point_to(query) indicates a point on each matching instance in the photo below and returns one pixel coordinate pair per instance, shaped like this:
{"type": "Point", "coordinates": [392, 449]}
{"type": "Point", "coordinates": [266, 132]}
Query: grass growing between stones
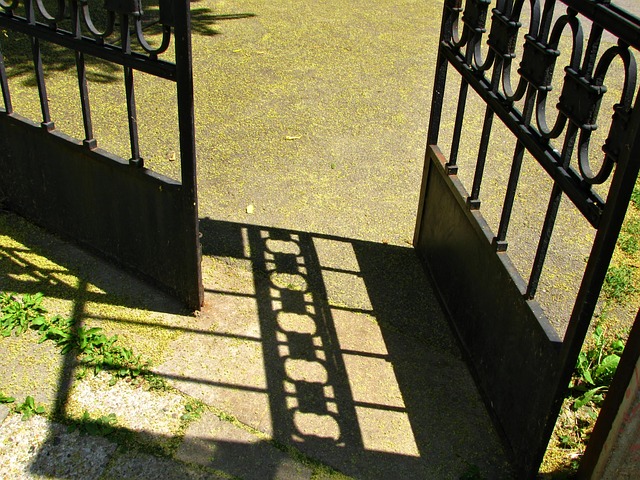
{"type": "Point", "coordinates": [109, 363]}
{"type": "Point", "coordinates": [94, 350]}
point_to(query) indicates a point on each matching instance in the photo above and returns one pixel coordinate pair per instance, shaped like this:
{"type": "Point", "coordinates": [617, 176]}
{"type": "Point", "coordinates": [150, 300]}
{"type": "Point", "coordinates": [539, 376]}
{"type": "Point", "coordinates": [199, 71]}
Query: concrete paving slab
{"type": "Point", "coordinates": [31, 368]}
{"type": "Point", "coordinates": [39, 449]}
{"type": "Point", "coordinates": [4, 412]}
{"type": "Point", "coordinates": [133, 465]}
{"type": "Point", "coordinates": [223, 366]}
{"type": "Point", "coordinates": [221, 445]}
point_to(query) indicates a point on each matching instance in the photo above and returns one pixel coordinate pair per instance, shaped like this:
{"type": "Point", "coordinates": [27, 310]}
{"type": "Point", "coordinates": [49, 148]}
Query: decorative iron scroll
{"type": "Point", "coordinates": [583, 87]}
{"type": "Point", "coordinates": [127, 15]}
{"type": "Point", "coordinates": [582, 90]}
{"type": "Point", "coordinates": [72, 24]}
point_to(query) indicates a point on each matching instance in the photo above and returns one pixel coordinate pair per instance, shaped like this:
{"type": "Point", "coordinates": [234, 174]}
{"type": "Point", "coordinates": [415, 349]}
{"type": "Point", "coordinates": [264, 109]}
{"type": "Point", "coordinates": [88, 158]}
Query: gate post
{"type": "Point", "coordinates": [184, 87]}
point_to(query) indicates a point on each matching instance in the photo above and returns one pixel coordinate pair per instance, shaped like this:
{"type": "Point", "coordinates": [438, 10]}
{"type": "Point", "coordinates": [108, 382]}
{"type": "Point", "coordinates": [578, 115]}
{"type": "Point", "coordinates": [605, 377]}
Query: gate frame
{"type": "Point", "coordinates": [117, 208]}
{"type": "Point", "coordinates": [458, 248]}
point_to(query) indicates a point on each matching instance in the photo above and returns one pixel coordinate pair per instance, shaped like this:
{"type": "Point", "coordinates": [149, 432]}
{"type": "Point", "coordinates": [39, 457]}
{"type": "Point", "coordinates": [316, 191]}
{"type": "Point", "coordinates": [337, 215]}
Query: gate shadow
{"type": "Point", "coordinates": [361, 368]}
{"type": "Point", "coordinates": [334, 346]}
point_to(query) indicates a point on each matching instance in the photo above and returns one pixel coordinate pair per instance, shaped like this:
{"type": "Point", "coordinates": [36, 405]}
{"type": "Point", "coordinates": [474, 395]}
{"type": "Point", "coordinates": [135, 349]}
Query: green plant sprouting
{"type": "Point", "coordinates": [94, 349]}
{"type": "Point", "coordinates": [18, 315]}
{"type": "Point", "coordinates": [192, 410]}
{"type": "Point", "coordinates": [103, 426]}
{"type": "Point", "coordinates": [6, 399]}
{"type": "Point", "coordinates": [29, 408]}
{"type": "Point", "coordinates": [595, 369]}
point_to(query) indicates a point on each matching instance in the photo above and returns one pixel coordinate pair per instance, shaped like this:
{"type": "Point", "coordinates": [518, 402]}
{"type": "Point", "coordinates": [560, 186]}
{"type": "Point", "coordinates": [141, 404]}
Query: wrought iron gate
{"type": "Point", "coordinates": [117, 207]}
{"type": "Point", "coordinates": [522, 364]}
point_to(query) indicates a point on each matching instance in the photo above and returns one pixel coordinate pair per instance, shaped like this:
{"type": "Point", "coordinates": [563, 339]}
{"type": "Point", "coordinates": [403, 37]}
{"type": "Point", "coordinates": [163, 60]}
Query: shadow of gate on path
{"type": "Point", "coordinates": [336, 347]}
{"type": "Point", "coordinates": [360, 367]}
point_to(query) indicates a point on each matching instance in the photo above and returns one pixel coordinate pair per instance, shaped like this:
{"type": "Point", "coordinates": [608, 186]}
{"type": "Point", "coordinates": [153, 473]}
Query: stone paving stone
{"type": "Point", "coordinates": [224, 366]}
{"type": "Point", "coordinates": [142, 466]}
{"type": "Point", "coordinates": [223, 446]}
{"type": "Point", "coordinates": [4, 411]}
{"type": "Point", "coordinates": [31, 368]}
{"type": "Point", "coordinates": [39, 449]}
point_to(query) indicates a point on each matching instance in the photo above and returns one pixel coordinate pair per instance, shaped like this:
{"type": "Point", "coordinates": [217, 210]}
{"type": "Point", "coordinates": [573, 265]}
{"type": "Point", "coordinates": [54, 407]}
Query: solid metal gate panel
{"type": "Point", "coordinates": [117, 207]}
{"type": "Point", "coordinates": [522, 365]}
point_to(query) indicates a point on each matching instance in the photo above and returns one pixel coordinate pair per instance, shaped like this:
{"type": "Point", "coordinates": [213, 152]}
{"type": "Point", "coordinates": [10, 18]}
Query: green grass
{"type": "Point", "coordinates": [619, 284]}
{"type": "Point", "coordinates": [601, 353]}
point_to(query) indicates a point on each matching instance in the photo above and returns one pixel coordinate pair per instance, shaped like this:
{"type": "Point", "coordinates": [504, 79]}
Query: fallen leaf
{"type": "Point", "coordinates": [250, 209]}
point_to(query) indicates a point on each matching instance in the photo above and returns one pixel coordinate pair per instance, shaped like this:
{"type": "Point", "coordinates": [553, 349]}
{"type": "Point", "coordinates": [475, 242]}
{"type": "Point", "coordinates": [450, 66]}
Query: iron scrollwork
{"type": "Point", "coordinates": [582, 88]}
{"type": "Point", "coordinates": [79, 12]}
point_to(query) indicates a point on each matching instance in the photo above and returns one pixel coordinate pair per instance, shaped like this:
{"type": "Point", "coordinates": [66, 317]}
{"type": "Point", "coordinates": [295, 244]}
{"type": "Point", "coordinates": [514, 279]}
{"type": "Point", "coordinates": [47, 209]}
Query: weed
{"type": "Point", "coordinates": [6, 399]}
{"type": "Point", "coordinates": [619, 283]}
{"type": "Point", "coordinates": [102, 426]}
{"type": "Point", "coordinates": [192, 410]}
{"type": "Point", "coordinates": [154, 382]}
{"type": "Point", "coordinates": [594, 370]}
{"type": "Point", "coordinates": [29, 408]}
{"type": "Point", "coordinates": [226, 417]}
{"type": "Point", "coordinates": [18, 315]}
{"type": "Point", "coordinates": [94, 349]}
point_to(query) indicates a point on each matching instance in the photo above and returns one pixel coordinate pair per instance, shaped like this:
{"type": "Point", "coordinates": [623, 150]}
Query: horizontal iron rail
{"type": "Point", "coordinates": [612, 18]}
{"type": "Point", "coordinates": [90, 46]}
{"type": "Point", "coordinates": [588, 202]}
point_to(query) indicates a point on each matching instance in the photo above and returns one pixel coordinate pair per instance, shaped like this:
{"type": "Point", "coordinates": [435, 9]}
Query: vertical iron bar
{"type": "Point", "coordinates": [439, 84]}
{"type": "Point", "coordinates": [184, 87]}
{"type": "Point", "coordinates": [132, 117]}
{"type": "Point", "coordinates": [135, 160]}
{"type": "Point", "coordinates": [47, 124]}
{"type": "Point", "coordinates": [89, 141]}
{"type": "Point", "coordinates": [440, 80]}
{"type": "Point", "coordinates": [6, 95]}
{"type": "Point", "coordinates": [550, 218]}
{"type": "Point", "coordinates": [451, 166]}
{"type": "Point", "coordinates": [473, 201]}
{"type": "Point", "coordinates": [500, 240]}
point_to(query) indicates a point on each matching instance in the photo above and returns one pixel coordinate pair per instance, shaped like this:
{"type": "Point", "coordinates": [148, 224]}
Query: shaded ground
{"type": "Point", "coordinates": [352, 368]}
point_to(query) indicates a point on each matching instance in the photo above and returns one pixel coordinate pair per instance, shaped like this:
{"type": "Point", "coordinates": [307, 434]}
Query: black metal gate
{"type": "Point", "coordinates": [522, 364]}
{"type": "Point", "coordinates": [117, 207]}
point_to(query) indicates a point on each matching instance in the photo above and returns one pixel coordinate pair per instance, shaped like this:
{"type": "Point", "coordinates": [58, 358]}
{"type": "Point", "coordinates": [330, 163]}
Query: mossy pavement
{"type": "Point", "coordinates": [310, 124]}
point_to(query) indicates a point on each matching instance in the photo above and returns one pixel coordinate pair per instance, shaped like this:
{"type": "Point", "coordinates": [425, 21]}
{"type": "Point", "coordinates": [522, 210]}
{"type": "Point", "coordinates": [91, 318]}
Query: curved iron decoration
{"type": "Point", "coordinates": [572, 70]}
{"type": "Point", "coordinates": [620, 119]}
{"type": "Point", "coordinates": [582, 90]}
{"type": "Point", "coordinates": [129, 12]}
